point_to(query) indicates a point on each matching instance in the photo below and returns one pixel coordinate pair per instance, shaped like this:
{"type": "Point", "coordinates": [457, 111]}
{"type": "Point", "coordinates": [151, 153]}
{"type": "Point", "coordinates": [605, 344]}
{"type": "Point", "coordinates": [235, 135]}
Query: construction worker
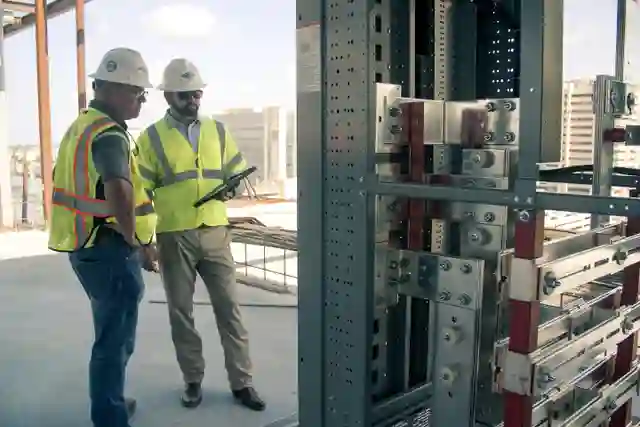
{"type": "Point", "coordinates": [183, 157]}
{"type": "Point", "coordinates": [103, 217]}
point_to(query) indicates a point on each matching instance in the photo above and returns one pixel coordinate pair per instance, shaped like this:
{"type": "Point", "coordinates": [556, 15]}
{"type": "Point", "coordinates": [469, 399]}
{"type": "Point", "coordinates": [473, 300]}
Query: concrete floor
{"type": "Point", "coordinates": [46, 333]}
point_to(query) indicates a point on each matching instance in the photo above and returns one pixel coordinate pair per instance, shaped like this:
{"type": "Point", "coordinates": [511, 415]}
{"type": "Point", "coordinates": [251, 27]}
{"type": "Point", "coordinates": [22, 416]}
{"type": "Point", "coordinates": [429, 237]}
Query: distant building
{"type": "Point", "coordinates": [578, 135]}
{"type": "Point", "coordinates": [266, 137]}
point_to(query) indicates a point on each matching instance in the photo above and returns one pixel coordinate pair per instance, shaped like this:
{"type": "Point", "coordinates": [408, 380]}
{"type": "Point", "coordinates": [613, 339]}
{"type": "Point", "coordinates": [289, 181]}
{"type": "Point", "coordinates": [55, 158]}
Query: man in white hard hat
{"type": "Point", "coordinates": [103, 218]}
{"type": "Point", "coordinates": [183, 157]}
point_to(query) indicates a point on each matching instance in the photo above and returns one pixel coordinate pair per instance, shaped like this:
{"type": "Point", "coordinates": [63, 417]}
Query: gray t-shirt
{"type": "Point", "coordinates": [111, 155]}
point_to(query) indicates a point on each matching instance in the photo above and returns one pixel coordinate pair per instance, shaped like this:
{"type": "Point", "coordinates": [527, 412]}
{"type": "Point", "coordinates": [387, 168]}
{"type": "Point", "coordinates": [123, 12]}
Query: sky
{"type": "Point", "coordinates": [245, 50]}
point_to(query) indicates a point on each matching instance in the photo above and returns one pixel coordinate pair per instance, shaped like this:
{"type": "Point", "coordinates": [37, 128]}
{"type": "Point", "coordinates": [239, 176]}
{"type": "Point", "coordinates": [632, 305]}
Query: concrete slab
{"type": "Point", "coordinates": [46, 333]}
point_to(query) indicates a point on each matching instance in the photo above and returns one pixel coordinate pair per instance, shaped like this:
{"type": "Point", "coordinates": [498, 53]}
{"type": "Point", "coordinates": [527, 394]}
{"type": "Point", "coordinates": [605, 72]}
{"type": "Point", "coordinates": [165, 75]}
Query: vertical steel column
{"type": "Point", "coordinates": [621, 39]}
{"type": "Point", "coordinates": [603, 151]}
{"type": "Point", "coordinates": [44, 106]}
{"type": "Point", "coordinates": [6, 199]}
{"type": "Point", "coordinates": [311, 116]}
{"type": "Point", "coordinates": [540, 89]}
{"type": "Point", "coordinates": [81, 71]}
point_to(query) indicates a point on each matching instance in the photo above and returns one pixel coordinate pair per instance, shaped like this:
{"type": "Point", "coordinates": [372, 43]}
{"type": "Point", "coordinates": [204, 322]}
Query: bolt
{"type": "Point", "coordinates": [475, 237]}
{"type": "Point", "coordinates": [445, 265]}
{"type": "Point", "coordinates": [491, 106]}
{"type": "Point", "coordinates": [466, 268]}
{"type": "Point", "coordinates": [393, 265]}
{"type": "Point", "coordinates": [524, 216]}
{"type": "Point", "coordinates": [444, 296]}
{"type": "Point", "coordinates": [627, 325]}
{"type": "Point", "coordinates": [464, 299]}
{"type": "Point", "coordinates": [610, 406]}
{"type": "Point", "coordinates": [488, 137]}
{"type": "Point", "coordinates": [489, 217]}
{"type": "Point", "coordinates": [395, 129]}
{"type": "Point", "coordinates": [620, 257]}
{"type": "Point", "coordinates": [551, 282]}
{"type": "Point", "coordinates": [476, 158]}
{"type": "Point", "coordinates": [395, 112]}
{"type": "Point", "coordinates": [509, 136]}
{"type": "Point", "coordinates": [469, 215]}
{"type": "Point", "coordinates": [509, 105]}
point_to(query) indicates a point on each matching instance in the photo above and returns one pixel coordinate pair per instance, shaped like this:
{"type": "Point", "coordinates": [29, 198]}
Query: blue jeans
{"type": "Point", "coordinates": [111, 275]}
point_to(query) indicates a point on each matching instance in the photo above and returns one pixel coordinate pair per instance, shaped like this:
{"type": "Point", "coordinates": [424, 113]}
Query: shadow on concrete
{"type": "Point", "coordinates": [46, 334]}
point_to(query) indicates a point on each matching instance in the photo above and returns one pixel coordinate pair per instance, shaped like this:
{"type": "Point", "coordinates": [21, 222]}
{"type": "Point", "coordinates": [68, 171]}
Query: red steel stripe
{"type": "Point", "coordinates": [627, 349]}
{"type": "Point", "coordinates": [525, 316]}
{"type": "Point", "coordinates": [417, 207]}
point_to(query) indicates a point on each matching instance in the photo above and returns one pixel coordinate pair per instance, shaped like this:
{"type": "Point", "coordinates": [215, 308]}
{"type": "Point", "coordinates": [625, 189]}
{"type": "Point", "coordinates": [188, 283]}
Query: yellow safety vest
{"type": "Point", "coordinates": [75, 206]}
{"type": "Point", "coordinates": [179, 176]}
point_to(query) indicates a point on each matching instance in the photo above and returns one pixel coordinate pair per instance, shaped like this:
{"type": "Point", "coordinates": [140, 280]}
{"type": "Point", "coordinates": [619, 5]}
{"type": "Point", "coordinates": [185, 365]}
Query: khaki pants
{"type": "Point", "coordinates": [206, 251]}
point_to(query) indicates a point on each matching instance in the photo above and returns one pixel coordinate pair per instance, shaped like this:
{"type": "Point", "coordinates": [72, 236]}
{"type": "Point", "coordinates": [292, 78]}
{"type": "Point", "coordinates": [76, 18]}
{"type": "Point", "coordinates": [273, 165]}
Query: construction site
{"type": "Point", "coordinates": [435, 269]}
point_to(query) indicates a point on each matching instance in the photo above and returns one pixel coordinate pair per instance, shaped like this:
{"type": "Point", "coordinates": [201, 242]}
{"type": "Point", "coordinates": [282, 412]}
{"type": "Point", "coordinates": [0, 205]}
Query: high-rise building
{"type": "Point", "coordinates": [266, 137]}
{"type": "Point", "coordinates": [578, 134]}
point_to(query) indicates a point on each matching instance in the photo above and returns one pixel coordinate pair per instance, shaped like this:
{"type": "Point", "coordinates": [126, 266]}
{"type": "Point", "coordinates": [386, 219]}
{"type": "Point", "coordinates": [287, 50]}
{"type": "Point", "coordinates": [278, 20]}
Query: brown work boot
{"type": "Point", "coordinates": [131, 406]}
{"type": "Point", "coordinates": [192, 395]}
{"type": "Point", "coordinates": [249, 398]}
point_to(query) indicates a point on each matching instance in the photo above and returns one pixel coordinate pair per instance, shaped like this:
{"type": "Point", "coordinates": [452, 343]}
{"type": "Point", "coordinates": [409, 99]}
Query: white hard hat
{"type": "Point", "coordinates": [181, 75]}
{"type": "Point", "coordinates": [123, 65]}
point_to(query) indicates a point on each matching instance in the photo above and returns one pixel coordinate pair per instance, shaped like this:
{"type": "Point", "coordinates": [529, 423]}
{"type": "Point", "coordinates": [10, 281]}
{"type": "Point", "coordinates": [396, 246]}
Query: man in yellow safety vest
{"type": "Point", "coordinates": [183, 157]}
{"type": "Point", "coordinates": [103, 217]}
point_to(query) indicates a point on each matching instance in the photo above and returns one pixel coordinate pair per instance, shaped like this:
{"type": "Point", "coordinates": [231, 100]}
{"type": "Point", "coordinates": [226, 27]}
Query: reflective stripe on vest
{"type": "Point", "coordinates": [94, 207]}
{"type": "Point", "coordinates": [169, 177]}
{"type": "Point", "coordinates": [80, 202]}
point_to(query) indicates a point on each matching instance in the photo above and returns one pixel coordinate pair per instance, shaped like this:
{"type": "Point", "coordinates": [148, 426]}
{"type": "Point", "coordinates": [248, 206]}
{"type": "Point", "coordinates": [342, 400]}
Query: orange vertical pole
{"type": "Point", "coordinates": [44, 106]}
{"type": "Point", "coordinates": [80, 55]}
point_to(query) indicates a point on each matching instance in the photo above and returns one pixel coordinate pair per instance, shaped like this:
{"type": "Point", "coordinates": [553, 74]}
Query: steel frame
{"type": "Point", "coordinates": [363, 361]}
{"type": "Point", "coordinates": [36, 13]}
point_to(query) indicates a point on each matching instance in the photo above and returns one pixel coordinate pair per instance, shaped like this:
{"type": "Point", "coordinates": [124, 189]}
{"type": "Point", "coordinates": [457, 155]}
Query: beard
{"type": "Point", "coordinates": [188, 109]}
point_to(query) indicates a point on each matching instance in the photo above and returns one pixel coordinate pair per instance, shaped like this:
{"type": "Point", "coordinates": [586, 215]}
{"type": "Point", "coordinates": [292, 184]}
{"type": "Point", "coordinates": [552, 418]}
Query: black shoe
{"type": "Point", "coordinates": [192, 396]}
{"type": "Point", "coordinates": [248, 397]}
{"type": "Point", "coordinates": [131, 406]}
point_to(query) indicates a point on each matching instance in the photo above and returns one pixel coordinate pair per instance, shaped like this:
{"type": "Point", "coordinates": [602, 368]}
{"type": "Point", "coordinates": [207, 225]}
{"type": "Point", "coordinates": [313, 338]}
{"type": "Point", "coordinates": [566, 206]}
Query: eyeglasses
{"type": "Point", "coordinates": [189, 95]}
{"type": "Point", "coordinates": [135, 91]}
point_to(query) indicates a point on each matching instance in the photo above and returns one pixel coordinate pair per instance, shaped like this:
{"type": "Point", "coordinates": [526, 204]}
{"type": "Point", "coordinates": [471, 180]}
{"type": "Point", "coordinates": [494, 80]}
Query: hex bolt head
{"type": "Point", "coordinates": [445, 265]}
{"type": "Point", "coordinates": [475, 236]}
{"type": "Point", "coordinates": [444, 296]}
{"type": "Point", "coordinates": [524, 216]}
{"type": "Point", "coordinates": [466, 268]}
{"type": "Point", "coordinates": [395, 129]}
{"type": "Point", "coordinates": [464, 299]}
{"type": "Point", "coordinates": [395, 112]}
{"type": "Point", "coordinates": [509, 136]}
{"type": "Point", "coordinates": [489, 217]}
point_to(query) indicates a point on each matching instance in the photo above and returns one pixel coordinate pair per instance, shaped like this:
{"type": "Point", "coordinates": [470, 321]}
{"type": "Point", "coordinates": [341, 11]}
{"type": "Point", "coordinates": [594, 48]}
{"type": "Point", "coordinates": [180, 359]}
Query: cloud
{"type": "Point", "coordinates": [181, 20]}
